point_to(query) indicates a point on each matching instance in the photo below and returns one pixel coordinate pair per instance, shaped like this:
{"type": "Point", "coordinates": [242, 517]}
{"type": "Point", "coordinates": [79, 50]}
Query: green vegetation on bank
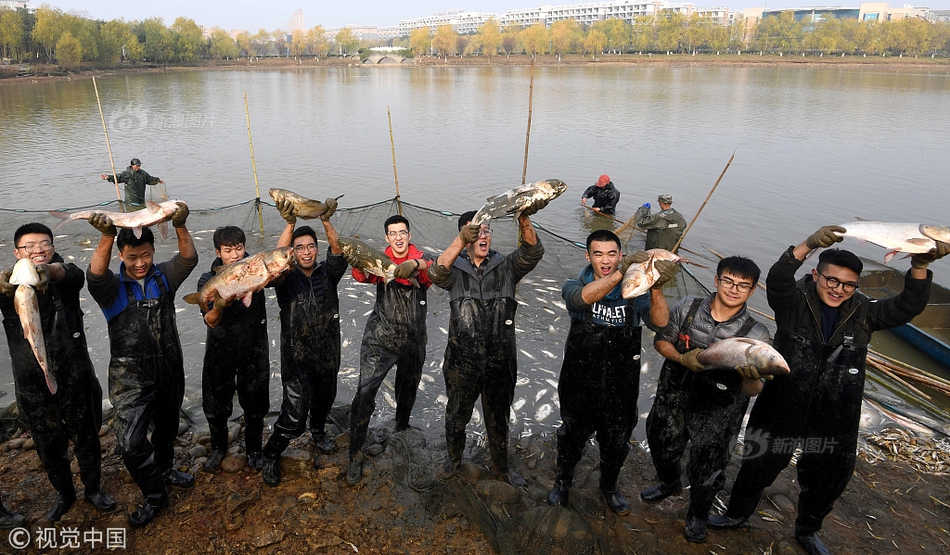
{"type": "Point", "coordinates": [49, 35]}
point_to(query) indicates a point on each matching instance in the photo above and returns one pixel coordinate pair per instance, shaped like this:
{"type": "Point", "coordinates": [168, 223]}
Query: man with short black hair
{"type": "Point", "coordinates": [395, 334]}
{"type": "Point", "coordinates": [309, 337]}
{"type": "Point", "coordinates": [605, 195]}
{"type": "Point", "coordinates": [135, 179]}
{"type": "Point", "coordinates": [146, 369]}
{"type": "Point", "coordinates": [697, 406]}
{"type": "Point", "coordinates": [75, 411]}
{"type": "Point", "coordinates": [665, 227]}
{"type": "Point", "coordinates": [236, 359]}
{"type": "Point", "coordinates": [823, 332]}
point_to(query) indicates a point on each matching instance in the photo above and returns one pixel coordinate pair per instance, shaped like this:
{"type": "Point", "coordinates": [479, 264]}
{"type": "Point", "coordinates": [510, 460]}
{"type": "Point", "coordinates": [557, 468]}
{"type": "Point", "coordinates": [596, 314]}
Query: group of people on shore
{"type": "Point", "coordinates": [824, 327]}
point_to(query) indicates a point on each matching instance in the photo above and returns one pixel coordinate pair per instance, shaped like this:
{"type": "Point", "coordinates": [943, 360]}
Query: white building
{"type": "Point", "coordinates": [464, 22]}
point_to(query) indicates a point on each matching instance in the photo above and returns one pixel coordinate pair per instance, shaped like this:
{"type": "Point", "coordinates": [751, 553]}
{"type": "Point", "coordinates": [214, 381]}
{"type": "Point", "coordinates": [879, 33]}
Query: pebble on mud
{"type": "Point", "coordinates": [28, 445]}
{"type": "Point", "coordinates": [233, 463]}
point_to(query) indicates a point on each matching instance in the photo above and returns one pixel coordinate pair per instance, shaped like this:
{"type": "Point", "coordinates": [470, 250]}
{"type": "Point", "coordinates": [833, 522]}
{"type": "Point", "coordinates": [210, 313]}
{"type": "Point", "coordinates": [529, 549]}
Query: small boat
{"type": "Point", "coordinates": [930, 330]}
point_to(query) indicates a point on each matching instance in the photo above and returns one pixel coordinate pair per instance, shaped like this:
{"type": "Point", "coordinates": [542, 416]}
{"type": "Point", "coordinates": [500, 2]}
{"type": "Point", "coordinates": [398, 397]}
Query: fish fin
{"type": "Point", "coordinates": [889, 255]}
{"type": "Point", "coordinates": [153, 206]}
{"type": "Point", "coordinates": [60, 215]}
{"type": "Point", "coordinates": [921, 242]}
{"type": "Point", "coordinates": [246, 299]}
{"type": "Point", "coordinates": [137, 231]}
{"type": "Point", "coordinates": [163, 229]}
{"type": "Point", "coordinates": [192, 298]}
{"type": "Point", "coordinates": [51, 383]}
{"type": "Point", "coordinates": [219, 301]}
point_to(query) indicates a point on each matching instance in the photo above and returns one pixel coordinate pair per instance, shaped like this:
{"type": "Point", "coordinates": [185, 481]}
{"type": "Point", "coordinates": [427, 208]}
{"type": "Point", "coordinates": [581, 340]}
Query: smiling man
{"type": "Point", "coordinates": [146, 370]}
{"type": "Point", "coordinates": [698, 406]}
{"type": "Point", "coordinates": [74, 413]}
{"type": "Point", "coordinates": [824, 326]}
{"type": "Point", "coordinates": [309, 337]}
{"type": "Point", "coordinates": [600, 376]}
{"type": "Point", "coordinates": [395, 335]}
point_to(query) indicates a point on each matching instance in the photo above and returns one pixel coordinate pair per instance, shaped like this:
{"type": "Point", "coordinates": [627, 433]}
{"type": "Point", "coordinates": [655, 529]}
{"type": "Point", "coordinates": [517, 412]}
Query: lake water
{"type": "Point", "coordinates": [812, 146]}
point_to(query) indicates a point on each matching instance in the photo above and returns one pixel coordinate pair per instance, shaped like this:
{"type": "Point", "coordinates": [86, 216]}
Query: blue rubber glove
{"type": "Point", "coordinates": [646, 205]}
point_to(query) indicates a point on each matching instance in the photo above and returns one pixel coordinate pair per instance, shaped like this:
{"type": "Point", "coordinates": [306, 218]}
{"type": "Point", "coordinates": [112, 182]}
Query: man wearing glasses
{"type": "Point", "coordinates": [699, 406]}
{"type": "Point", "coordinates": [395, 334]}
{"type": "Point", "coordinates": [74, 413]}
{"type": "Point", "coordinates": [823, 332]}
{"type": "Point", "coordinates": [480, 357]}
{"type": "Point", "coordinates": [309, 337]}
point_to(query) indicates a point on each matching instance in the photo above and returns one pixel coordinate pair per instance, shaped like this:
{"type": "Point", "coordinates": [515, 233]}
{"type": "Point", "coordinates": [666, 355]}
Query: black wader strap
{"type": "Point", "coordinates": [683, 339]}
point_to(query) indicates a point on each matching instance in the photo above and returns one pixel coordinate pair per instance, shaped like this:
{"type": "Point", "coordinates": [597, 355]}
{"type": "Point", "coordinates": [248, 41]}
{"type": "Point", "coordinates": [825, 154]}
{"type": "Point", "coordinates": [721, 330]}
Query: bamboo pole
{"type": "Point", "coordinates": [115, 177]}
{"type": "Point", "coordinates": [392, 145]}
{"type": "Point", "coordinates": [527, 136]}
{"type": "Point", "coordinates": [882, 369]}
{"type": "Point", "coordinates": [713, 190]}
{"type": "Point", "coordinates": [257, 187]}
{"type": "Point", "coordinates": [910, 367]}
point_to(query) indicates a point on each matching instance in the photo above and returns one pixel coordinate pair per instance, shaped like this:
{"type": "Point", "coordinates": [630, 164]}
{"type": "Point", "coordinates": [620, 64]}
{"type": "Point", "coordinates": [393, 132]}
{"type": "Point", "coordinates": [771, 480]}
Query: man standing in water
{"type": "Point", "coordinates": [309, 337]}
{"type": "Point", "coordinates": [135, 179]}
{"type": "Point", "coordinates": [395, 334]}
{"type": "Point", "coordinates": [75, 411]}
{"type": "Point", "coordinates": [699, 406]}
{"type": "Point", "coordinates": [605, 195]}
{"type": "Point", "coordinates": [236, 359]}
{"type": "Point", "coordinates": [600, 376]}
{"type": "Point", "coordinates": [823, 333]}
{"type": "Point", "coordinates": [146, 371]}
{"type": "Point", "coordinates": [665, 227]}
{"type": "Point", "coordinates": [480, 358]}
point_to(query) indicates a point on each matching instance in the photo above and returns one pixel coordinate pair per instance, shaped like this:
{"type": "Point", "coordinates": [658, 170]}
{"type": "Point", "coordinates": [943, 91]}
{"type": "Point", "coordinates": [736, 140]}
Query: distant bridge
{"type": "Point", "coordinates": [378, 59]}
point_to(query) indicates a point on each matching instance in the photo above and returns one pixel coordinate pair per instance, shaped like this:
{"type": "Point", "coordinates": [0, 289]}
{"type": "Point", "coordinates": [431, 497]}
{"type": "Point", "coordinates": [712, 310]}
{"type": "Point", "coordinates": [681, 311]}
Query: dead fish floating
{"type": "Point", "coordinates": [737, 352]}
{"type": "Point", "coordinates": [304, 208]}
{"type": "Point", "coordinates": [516, 200]}
{"type": "Point", "coordinates": [371, 260]}
{"type": "Point", "coordinates": [28, 309]}
{"type": "Point", "coordinates": [153, 214]}
{"type": "Point", "coordinates": [641, 277]}
{"type": "Point", "coordinates": [243, 278]}
{"type": "Point", "coordinates": [896, 237]}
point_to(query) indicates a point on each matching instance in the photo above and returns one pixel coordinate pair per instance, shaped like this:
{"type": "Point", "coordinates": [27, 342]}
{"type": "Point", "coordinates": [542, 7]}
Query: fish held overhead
{"type": "Point", "coordinates": [28, 309]}
{"type": "Point", "coordinates": [515, 201]}
{"type": "Point", "coordinates": [243, 278]}
{"type": "Point", "coordinates": [360, 255]}
{"type": "Point", "coordinates": [639, 278]}
{"type": "Point", "coordinates": [153, 213]}
{"type": "Point", "coordinates": [304, 208]}
{"type": "Point", "coordinates": [910, 238]}
{"type": "Point", "coordinates": [737, 352]}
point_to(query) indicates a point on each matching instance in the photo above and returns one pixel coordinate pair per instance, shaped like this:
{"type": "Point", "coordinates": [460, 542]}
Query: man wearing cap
{"type": "Point", "coordinates": [135, 179]}
{"type": "Point", "coordinates": [665, 227]}
{"type": "Point", "coordinates": [605, 195]}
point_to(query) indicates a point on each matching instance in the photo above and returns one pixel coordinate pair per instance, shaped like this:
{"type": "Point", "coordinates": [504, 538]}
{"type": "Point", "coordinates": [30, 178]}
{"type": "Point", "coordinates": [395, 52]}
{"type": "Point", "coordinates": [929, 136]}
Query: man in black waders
{"type": "Point", "coordinates": [480, 357]}
{"type": "Point", "coordinates": [600, 376]}
{"type": "Point", "coordinates": [395, 334]}
{"type": "Point", "coordinates": [236, 359]}
{"type": "Point", "coordinates": [309, 338]}
{"type": "Point", "coordinates": [74, 412]}
{"type": "Point", "coordinates": [135, 179]}
{"type": "Point", "coordinates": [704, 408]}
{"type": "Point", "coordinates": [823, 332]}
{"type": "Point", "coordinates": [146, 370]}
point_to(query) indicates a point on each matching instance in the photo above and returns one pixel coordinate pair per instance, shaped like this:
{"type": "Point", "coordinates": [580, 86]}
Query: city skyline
{"type": "Point", "coordinates": [276, 14]}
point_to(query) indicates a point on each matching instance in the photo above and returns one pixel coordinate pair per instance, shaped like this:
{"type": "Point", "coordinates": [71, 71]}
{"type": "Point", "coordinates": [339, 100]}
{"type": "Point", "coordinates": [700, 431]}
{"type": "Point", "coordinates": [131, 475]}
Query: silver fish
{"type": "Point", "coordinates": [152, 214]}
{"type": "Point", "coordinates": [243, 278]}
{"type": "Point", "coordinates": [895, 237]}
{"type": "Point", "coordinates": [360, 255]}
{"type": "Point", "coordinates": [27, 307]}
{"type": "Point", "coordinates": [935, 232]}
{"type": "Point", "coordinates": [641, 277]}
{"type": "Point", "coordinates": [514, 201]}
{"type": "Point", "coordinates": [304, 207]}
{"type": "Point", "coordinates": [737, 352]}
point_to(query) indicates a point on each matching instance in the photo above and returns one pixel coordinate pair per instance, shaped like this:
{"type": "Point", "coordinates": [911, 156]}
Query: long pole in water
{"type": "Point", "coordinates": [257, 187]}
{"type": "Point", "coordinates": [527, 136]}
{"type": "Point", "coordinates": [115, 177]}
{"type": "Point", "coordinates": [713, 190]}
{"type": "Point", "coordinates": [392, 145]}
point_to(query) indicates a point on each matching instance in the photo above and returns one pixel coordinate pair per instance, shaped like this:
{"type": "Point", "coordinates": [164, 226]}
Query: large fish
{"type": "Point", "coordinates": [28, 309]}
{"type": "Point", "coordinates": [736, 352]}
{"type": "Point", "coordinates": [360, 255]}
{"type": "Point", "coordinates": [153, 213]}
{"type": "Point", "coordinates": [935, 232]}
{"type": "Point", "coordinates": [895, 237]}
{"type": "Point", "coordinates": [304, 208]}
{"type": "Point", "coordinates": [639, 278]}
{"type": "Point", "coordinates": [243, 278]}
{"type": "Point", "coordinates": [516, 200]}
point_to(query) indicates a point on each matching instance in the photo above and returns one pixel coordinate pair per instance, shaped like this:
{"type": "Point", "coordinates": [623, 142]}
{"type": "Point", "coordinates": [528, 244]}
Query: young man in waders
{"type": "Point", "coordinates": [395, 335]}
{"type": "Point", "coordinates": [699, 406]}
{"type": "Point", "coordinates": [824, 326]}
{"type": "Point", "coordinates": [236, 359]}
{"type": "Point", "coordinates": [600, 375]}
{"type": "Point", "coordinates": [146, 371]}
{"type": "Point", "coordinates": [309, 337]}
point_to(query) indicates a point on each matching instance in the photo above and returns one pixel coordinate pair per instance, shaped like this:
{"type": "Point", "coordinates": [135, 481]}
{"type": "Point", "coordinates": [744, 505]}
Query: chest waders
{"type": "Point", "coordinates": [146, 385]}
{"type": "Point", "coordinates": [598, 389]}
{"type": "Point", "coordinates": [480, 359]}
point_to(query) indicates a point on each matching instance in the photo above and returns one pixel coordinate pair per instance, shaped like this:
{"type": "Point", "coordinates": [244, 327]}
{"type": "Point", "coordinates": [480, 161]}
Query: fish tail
{"type": "Point", "coordinates": [192, 298]}
{"type": "Point", "coordinates": [50, 382]}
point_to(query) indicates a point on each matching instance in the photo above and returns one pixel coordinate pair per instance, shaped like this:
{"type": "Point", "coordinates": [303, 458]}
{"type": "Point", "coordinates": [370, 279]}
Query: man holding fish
{"type": "Point", "coordinates": [309, 331]}
{"type": "Point", "coordinates": [824, 326]}
{"type": "Point", "coordinates": [73, 412]}
{"type": "Point", "coordinates": [395, 335]}
{"type": "Point", "coordinates": [600, 376]}
{"type": "Point", "coordinates": [146, 370]}
{"type": "Point", "coordinates": [699, 403]}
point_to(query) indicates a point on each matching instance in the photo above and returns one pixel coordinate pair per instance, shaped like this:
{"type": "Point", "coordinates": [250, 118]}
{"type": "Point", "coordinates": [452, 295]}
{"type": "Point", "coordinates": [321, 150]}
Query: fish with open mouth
{"type": "Point", "coordinates": [639, 278]}
{"type": "Point", "coordinates": [516, 200]}
{"type": "Point", "coordinates": [27, 308]}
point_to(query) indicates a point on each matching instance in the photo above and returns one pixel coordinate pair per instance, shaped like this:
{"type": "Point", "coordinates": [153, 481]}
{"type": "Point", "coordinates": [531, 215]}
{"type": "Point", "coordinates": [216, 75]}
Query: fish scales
{"type": "Point", "coordinates": [153, 213]}
{"type": "Point", "coordinates": [304, 208]}
{"type": "Point", "coordinates": [27, 307]}
{"type": "Point", "coordinates": [360, 255]}
{"type": "Point", "coordinates": [736, 352]}
{"type": "Point", "coordinates": [516, 200]}
{"type": "Point", "coordinates": [244, 278]}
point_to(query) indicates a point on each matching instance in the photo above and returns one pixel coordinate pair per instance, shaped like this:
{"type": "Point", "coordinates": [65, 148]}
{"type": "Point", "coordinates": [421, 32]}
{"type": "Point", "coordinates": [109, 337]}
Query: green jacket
{"type": "Point", "coordinates": [135, 182]}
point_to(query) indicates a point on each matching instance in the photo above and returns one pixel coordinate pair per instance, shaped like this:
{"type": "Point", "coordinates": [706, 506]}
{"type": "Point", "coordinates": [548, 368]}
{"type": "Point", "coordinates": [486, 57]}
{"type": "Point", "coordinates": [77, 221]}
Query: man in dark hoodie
{"type": "Point", "coordinates": [605, 195]}
{"type": "Point", "coordinates": [135, 179]}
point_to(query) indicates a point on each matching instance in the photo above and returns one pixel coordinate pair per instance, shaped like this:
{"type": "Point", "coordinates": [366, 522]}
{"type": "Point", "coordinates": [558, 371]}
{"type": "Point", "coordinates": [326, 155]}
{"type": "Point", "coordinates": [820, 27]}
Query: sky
{"type": "Point", "coordinates": [275, 14]}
